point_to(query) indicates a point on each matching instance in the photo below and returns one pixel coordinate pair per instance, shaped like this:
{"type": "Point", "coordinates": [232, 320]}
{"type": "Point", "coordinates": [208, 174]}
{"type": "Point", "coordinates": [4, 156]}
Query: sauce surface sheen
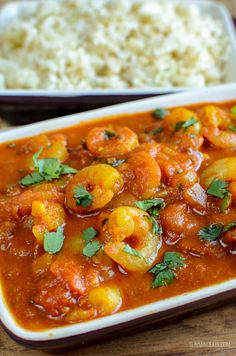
{"type": "Point", "coordinates": [75, 244]}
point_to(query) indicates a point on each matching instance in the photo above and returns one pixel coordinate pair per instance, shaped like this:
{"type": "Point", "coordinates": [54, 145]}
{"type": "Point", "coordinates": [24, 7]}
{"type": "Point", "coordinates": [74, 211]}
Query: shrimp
{"type": "Point", "coordinates": [224, 169]}
{"type": "Point", "coordinates": [171, 163]}
{"type": "Point", "coordinates": [47, 216]}
{"type": "Point", "coordinates": [220, 138]}
{"type": "Point", "coordinates": [102, 300]}
{"type": "Point", "coordinates": [134, 226]}
{"type": "Point", "coordinates": [105, 299]}
{"type": "Point", "coordinates": [52, 147]}
{"type": "Point", "coordinates": [216, 122]}
{"type": "Point", "coordinates": [151, 148]}
{"type": "Point", "coordinates": [182, 115]}
{"type": "Point", "coordinates": [13, 208]}
{"type": "Point", "coordinates": [142, 175]}
{"type": "Point", "coordinates": [104, 142]}
{"type": "Point", "coordinates": [214, 117]}
{"type": "Point", "coordinates": [101, 182]}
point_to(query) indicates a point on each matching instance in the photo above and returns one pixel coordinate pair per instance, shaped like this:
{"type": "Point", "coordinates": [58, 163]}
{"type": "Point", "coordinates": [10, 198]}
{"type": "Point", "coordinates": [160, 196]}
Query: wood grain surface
{"type": "Point", "coordinates": [209, 333]}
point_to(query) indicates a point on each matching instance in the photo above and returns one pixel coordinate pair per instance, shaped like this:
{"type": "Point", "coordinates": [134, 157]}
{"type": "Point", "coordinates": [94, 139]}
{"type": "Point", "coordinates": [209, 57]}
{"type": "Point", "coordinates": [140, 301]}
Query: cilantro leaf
{"type": "Point", "coordinates": [156, 227]}
{"type": "Point", "coordinates": [153, 206]}
{"type": "Point", "coordinates": [233, 110]}
{"type": "Point", "coordinates": [46, 169]}
{"type": "Point", "coordinates": [131, 251]}
{"type": "Point", "coordinates": [35, 157]}
{"type": "Point", "coordinates": [160, 114]}
{"type": "Point", "coordinates": [82, 197]}
{"type": "Point", "coordinates": [64, 169]}
{"type": "Point", "coordinates": [158, 268]}
{"type": "Point", "coordinates": [163, 278]}
{"type": "Point", "coordinates": [185, 124]}
{"type": "Point", "coordinates": [232, 128]}
{"type": "Point", "coordinates": [32, 178]}
{"type": "Point", "coordinates": [108, 134]}
{"type": "Point", "coordinates": [53, 241]}
{"type": "Point", "coordinates": [164, 271]}
{"type": "Point", "coordinates": [229, 227]}
{"type": "Point", "coordinates": [225, 202]}
{"type": "Point", "coordinates": [115, 162]}
{"type": "Point", "coordinates": [155, 131]}
{"type": "Point", "coordinates": [173, 260]}
{"type": "Point", "coordinates": [89, 234]}
{"type": "Point", "coordinates": [91, 248]}
{"type": "Point", "coordinates": [217, 188]}
{"type": "Point", "coordinates": [49, 168]}
{"type": "Point", "coordinates": [211, 232]}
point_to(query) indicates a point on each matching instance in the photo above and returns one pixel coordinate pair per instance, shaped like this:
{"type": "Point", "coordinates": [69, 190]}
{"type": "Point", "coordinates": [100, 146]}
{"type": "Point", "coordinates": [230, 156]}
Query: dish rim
{"type": "Point", "coordinates": [220, 93]}
{"type": "Point", "coordinates": [226, 19]}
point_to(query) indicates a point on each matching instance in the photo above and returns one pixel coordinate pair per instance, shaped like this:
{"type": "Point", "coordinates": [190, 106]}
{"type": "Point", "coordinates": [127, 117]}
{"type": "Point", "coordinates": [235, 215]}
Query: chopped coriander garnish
{"type": "Point", "coordinates": [185, 124]}
{"type": "Point", "coordinates": [233, 110]}
{"type": "Point", "coordinates": [160, 114]}
{"type": "Point", "coordinates": [82, 196]}
{"type": "Point", "coordinates": [174, 260]}
{"type": "Point", "coordinates": [115, 162]}
{"type": "Point", "coordinates": [225, 202]}
{"type": "Point", "coordinates": [131, 251]}
{"type": "Point", "coordinates": [91, 248]}
{"type": "Point", "coordinates": [164, 271]}
{"type": "Point", "coordinates": [53, 241]}
{"type": "Point", "coordinates": [152, 206]}
{"type": "Point", "coordinates": [229, 227]}
{"type": "Point", "coordinates": [163, 278]}
{"type": "Point", "coordinates": [46, 169]}
{"type": "Point", "coordinates": [108, 134]}
{"type": "Point", "coordinates": [211, 232]}
{"type": "Point", "coordinates": [156, 227]}
{"type": "Point", "coordinates": [89, 234]}
{"type": "Point", "coordinates": [214, 231]}
{"type": "Point", "coordinates": [32, 178]}
{"type": "Point", "coordinates": [232, 128]}
{"type": "Point", "coordinates": [155, 131]}
{"type": "Point", "coordinates": [217, 188]}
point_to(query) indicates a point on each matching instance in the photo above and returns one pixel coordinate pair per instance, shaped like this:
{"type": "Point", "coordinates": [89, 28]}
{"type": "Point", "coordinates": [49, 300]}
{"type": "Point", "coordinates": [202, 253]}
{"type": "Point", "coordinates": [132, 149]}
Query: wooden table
{"type": "Point", "coordinates": [211, 333]}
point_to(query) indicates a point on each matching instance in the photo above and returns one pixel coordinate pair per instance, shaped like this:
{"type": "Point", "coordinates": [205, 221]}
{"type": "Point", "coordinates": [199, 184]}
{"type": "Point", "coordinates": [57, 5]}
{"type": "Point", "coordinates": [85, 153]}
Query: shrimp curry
{"type": "Point", "coordinates": [114, 214]}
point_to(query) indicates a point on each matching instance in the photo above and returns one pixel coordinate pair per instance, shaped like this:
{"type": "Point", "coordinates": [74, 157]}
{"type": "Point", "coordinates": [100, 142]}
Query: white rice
{"type": "Point", "coordinates": [89, 44]}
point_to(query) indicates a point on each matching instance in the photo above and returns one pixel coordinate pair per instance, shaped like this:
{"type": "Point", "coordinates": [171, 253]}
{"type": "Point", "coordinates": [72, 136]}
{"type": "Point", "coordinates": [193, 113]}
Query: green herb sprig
{"type": "Point", "coordinates": [152, 206]}
{"type": "Point", "coordinates": [214, 231]}
{"type": "Point", "coordinates": [185, 124]}
{"type": "Point", "coordinates": [131, 251]}
{"type": "Point", "coordinates": [46, 169]}
{"type": "Point", "coordinates": [155, 131]}
{"type": "Point", "coordinates": [91, 247]}
{"type": "Point", "coordinates": [218, 189]}
{"type": "Point", "coordinates": [165, 271]}
{"type": "Point", "coordinates": [232, 128]}
{"type": "Point", "coordinates": [108, 134]}
{"type": "Point", "coordinates": [82, 196]}
{"type": "Point", "coordinates": [53, 241]}
{"type": "Point", "coordinates": [160, 114]}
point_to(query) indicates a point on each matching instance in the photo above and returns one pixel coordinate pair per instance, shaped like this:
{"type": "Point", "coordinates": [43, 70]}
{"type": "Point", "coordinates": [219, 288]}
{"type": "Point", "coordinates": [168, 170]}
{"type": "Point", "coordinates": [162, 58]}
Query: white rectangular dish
{"type": "Point", "coordinates": [105, 326]}
{"type": "Point", "coordinates": [10, 12]}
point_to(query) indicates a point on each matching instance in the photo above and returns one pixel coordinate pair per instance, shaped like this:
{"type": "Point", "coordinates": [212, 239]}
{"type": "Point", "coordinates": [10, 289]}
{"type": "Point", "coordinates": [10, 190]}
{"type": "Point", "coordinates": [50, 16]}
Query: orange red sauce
{"type": "Point", "coordinates": [56, 289]}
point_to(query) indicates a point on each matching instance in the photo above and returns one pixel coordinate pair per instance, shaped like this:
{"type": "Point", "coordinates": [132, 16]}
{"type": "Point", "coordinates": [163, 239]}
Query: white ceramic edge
{"type": "Point", "coordinates": [220, 93]}
{"type": "Point", "coordinates": [115, 319]}
{"type": "Point", "coordinates": [228, 25]}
